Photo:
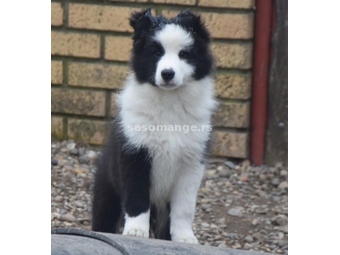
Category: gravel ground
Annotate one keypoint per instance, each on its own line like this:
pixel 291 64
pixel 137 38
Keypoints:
pixel 239 206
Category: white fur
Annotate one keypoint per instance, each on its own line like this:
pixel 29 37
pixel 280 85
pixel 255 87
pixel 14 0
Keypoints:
pixel 137 226
pixel 176 169
pixel 173 38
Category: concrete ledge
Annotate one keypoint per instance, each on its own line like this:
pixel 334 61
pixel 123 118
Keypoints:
pixel 78 241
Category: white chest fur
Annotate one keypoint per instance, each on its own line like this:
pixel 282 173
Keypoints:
pixel 173 125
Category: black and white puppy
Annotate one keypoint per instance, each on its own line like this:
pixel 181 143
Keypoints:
pixel 149 175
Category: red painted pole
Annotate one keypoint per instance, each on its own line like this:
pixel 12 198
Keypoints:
pixel 263 25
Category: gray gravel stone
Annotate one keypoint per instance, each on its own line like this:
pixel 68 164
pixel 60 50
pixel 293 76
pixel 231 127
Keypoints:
pixel 280 220
pixel 67 217
pixel 283 185
pixel 276 181
pixel 74 151
pixel 54 162
pixel 225 173
pixel 249 239
pixel 282 243
pixel 230 164
pixel 84 159
pixel 81 151
pixel 235 212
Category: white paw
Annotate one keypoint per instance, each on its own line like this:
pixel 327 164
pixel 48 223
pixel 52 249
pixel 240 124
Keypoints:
pixel 185 239
pixel 137 226
pixel 136 232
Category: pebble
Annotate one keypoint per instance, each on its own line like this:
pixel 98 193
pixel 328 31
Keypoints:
pixel 91 154
pixel 84 159
pixel 81 151
pixel 225 173
pixel 54 162
pixel 79 203
pixel 276 181
pixel 283 172
pixel 58 198
pixel 244 178
pixel 235 212
pixel 280 220
pixel 230 164
pixel 71 146
pixel 67 217
pixel 74 152
pixel 283 185
pixel 249 239
pixel 282 243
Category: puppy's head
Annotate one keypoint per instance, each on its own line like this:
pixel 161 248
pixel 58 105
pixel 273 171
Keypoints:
pixel 170 53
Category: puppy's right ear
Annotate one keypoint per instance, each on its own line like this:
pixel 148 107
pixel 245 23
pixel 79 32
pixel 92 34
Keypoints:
pixel 141 22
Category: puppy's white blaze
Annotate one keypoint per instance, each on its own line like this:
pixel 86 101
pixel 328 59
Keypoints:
pixel 173 39
pixel 137 226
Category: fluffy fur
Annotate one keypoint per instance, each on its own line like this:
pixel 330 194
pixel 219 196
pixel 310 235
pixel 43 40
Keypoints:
pixel 151 177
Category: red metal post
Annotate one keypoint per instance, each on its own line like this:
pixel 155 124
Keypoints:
pixel 263 28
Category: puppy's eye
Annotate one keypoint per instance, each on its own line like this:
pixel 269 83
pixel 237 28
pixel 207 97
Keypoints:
pixel 158 53
pixel 184 54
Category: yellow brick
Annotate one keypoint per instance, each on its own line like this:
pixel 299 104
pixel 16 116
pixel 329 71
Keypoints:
pixel 232 115
pixel 180 2
pixel 229 144
pixel 118 48
pixel 239 4
pixel 89 131
pixel 234 26
pixel 227 25
pixel 95 75
pixel 233 86
pixel 114 108
pixel 233 55
pixel 99 17
pixel 56 72
pixel 78 102
pixel 57 14
pixel 131 1
pixel 57 130
pixel 75 44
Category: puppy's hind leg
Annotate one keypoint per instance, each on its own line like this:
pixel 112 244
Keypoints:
pixel 106 209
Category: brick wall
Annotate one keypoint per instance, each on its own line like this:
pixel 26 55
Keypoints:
pixel 90 52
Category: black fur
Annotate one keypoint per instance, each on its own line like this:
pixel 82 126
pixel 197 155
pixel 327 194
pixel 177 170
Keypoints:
pixel 120 166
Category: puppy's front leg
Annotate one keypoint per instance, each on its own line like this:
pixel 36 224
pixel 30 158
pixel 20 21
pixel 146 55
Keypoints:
pixel 135 166
pixel 183 202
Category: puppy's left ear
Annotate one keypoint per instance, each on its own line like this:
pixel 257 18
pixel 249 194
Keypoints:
pixel 193 23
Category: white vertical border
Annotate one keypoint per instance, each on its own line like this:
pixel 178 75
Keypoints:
pixel 25 126
pixel 314 119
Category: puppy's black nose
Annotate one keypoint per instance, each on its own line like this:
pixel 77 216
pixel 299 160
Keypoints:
pixel 167 74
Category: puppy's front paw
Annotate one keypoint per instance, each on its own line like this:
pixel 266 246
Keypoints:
pixel 137 226
pixel 188 238
pixel 136 232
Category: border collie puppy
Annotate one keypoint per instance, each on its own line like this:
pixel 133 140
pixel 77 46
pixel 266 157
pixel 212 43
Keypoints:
pixel 146 175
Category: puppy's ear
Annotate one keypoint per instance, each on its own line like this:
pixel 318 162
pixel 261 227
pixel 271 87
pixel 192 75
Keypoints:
pixel 193 23
pixel 141 22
